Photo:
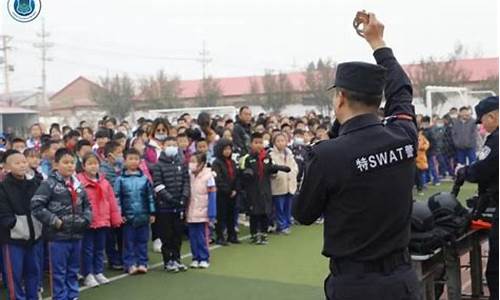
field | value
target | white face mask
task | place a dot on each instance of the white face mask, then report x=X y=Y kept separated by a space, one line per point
x=298 y=141
x=161 y=137
x=171 y=150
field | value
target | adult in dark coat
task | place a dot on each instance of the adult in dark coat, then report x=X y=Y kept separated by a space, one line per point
x=242 y=131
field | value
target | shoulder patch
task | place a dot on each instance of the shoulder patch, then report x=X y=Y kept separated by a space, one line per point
x=386 y=158
x=484 y=153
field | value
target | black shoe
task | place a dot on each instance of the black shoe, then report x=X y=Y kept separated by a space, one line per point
x=254 y=239
x=234 y=241
x=222 y=242
x=263 y=239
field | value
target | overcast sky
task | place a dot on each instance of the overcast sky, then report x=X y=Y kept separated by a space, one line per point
x=139 y=37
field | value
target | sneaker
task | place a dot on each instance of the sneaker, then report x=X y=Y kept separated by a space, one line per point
x=101 y=279
x=234 y=241
x=194 y=265
x=263 y=239
x=116 y=267
x=132 y=270
x=182 y=267
x=286 y=231
x=157 y=246
x=90 y=281
x=204 y=265
x=171 y=267
x=142 y=269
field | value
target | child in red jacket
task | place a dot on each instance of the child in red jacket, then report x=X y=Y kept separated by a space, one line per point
x=105 y=214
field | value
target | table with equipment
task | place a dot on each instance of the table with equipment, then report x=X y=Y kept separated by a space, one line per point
x=430 y=267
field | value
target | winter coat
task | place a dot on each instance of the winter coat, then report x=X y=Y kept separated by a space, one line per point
x=135 y=197
x=145 y=169
x=202 y=203
x=17 y=225
x=241 y=137
x=53 y=200
x=171 y=183
x=153 y=151
x=464 y=133
x=284 y=183
x=224 y=182
x=438 y=136
x=299 y=153
x=257 y=189
x=110 y=172
x=105 y=210
x=423 y=146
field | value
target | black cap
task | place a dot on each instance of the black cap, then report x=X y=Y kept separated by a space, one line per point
x=360 y=77
x=485 y=106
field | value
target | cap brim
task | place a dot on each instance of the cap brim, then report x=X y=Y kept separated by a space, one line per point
x=331 y=87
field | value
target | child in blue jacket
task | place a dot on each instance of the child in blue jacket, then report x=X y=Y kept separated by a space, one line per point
x=135 y=196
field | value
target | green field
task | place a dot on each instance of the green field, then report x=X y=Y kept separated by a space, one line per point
x=290 y=267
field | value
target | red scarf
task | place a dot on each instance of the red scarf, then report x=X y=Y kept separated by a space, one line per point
x=97 y=185
x=72 y=191
x=230 y=170
x=260 y=164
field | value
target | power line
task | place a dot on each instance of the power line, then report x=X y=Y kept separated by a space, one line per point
x=120 y=53
x=44 y=45
x=204 y=59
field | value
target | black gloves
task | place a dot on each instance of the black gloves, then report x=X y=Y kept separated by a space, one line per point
x=285 y=169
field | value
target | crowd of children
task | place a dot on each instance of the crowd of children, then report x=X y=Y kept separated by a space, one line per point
x=72 y=199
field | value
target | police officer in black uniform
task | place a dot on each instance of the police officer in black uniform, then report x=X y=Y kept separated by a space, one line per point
x=361 y=180
x=484 y=172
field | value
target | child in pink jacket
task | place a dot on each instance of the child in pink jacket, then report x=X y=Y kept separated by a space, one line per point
x=105 y=214
x=201 y=209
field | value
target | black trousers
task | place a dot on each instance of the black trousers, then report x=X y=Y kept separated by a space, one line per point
x=492 y=266
x=170 y=228
x=400 y=284
x=258 y=224
x=225 y=217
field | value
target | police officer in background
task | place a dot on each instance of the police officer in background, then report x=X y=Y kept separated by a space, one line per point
x=484 y=172
x=361 y=180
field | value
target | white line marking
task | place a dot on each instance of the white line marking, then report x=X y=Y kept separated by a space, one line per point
x=155 y=266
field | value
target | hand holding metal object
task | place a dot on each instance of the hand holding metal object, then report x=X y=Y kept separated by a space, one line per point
x=361 y=18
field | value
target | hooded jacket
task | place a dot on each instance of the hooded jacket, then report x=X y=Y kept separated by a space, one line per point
x=17 y=225
x=202 y=204
x=284 y=183
x=105 y=210
x=53 y=200
x=227 y=179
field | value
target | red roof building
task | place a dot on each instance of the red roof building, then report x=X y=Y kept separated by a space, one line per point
x=77 y=94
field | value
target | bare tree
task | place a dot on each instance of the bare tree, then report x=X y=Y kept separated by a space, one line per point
x=278 y=91
x=490 y=83
x=443 y=72
x=115 y=95
x=161 y=91
x=317 y=79
x=209 y=92
x=254 y=94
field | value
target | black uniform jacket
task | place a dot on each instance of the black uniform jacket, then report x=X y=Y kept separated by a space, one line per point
x=361 y=181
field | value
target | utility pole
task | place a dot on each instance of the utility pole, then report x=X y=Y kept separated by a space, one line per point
x=204 y=60
x=43 y=45
x=6 y=68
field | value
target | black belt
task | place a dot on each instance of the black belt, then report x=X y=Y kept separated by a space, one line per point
x=387 y=264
